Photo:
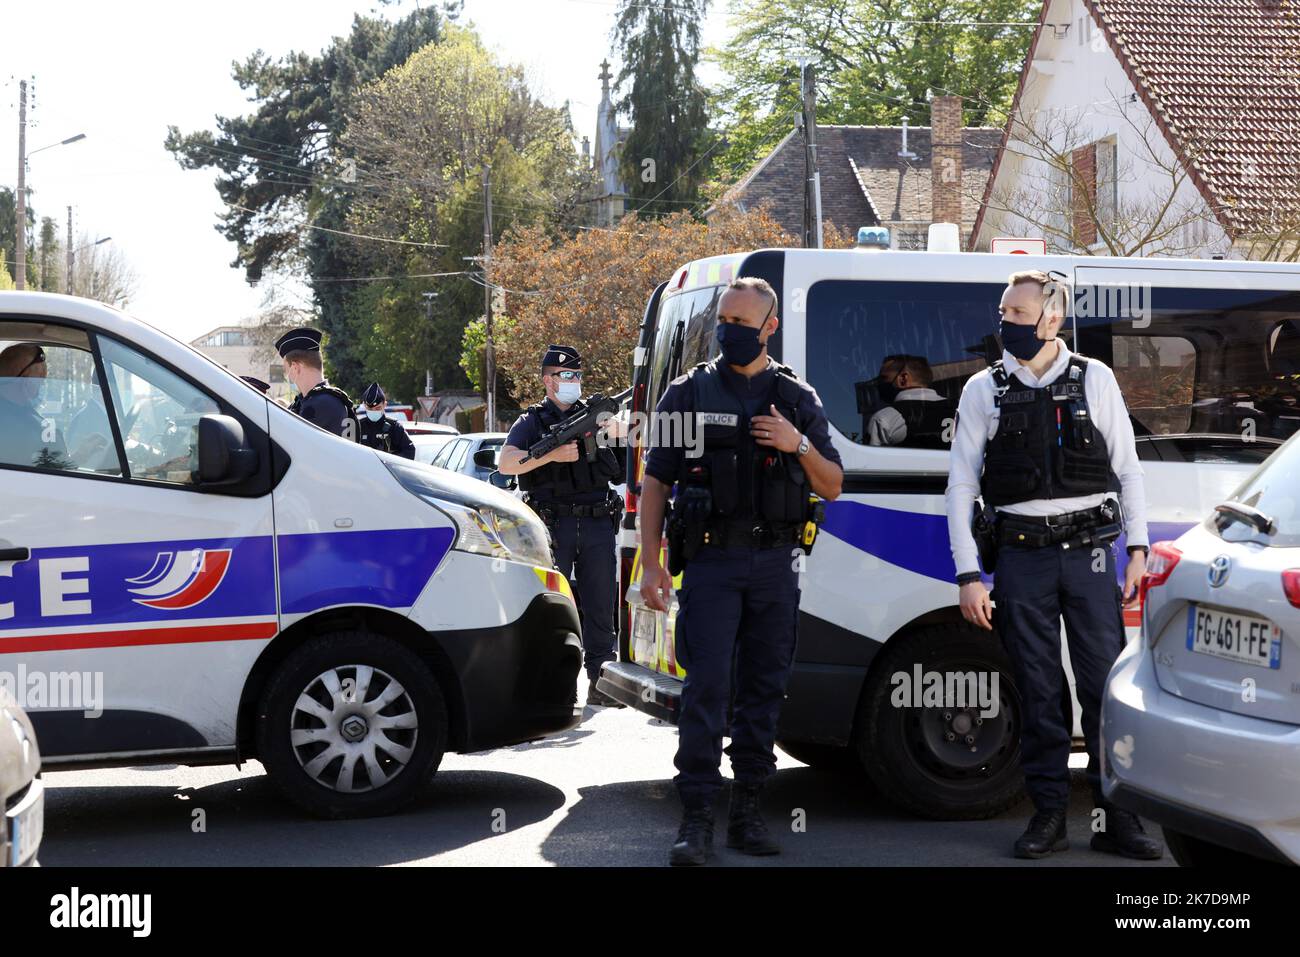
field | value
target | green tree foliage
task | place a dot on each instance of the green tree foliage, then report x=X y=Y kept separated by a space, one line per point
x=877 y=61
x=281 y=163
x=660 y=45
x=421 y=135
x=9 y=235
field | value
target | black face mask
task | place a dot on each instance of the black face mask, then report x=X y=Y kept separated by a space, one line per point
x=740 y=345
x=1020 y=340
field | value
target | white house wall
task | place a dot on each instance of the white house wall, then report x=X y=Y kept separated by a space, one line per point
x=1080 y=74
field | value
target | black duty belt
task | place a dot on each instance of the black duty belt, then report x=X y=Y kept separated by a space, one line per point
x=752 y=533
x=563 y=510
x=1087 y=526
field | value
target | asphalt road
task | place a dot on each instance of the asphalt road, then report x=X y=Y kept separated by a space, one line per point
x=599 y=795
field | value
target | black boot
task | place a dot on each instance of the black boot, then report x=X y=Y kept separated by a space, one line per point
x=1123 y=835
x=1045 y=834
x=694 y=837
x=746 y=831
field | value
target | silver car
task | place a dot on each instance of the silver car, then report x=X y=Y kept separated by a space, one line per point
x=22 y=793
x=1201 y=720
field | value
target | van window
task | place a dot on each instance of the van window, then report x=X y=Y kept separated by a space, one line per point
x=1221 y=366
x=938 y=330
x=52 y=412
x=699 y=310
x=158 y=413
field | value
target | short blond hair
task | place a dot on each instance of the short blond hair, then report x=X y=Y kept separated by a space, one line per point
x=1056 y=291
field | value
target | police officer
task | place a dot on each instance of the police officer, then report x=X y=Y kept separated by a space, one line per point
x=381 y=431
x=766 y=448
x=914 y=415
x=574 y=499
x=317 y=401
x=1042 y=435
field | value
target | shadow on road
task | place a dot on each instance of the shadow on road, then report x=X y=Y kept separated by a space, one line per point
x=250 y=824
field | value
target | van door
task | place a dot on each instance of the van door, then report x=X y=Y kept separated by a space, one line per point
x=1209 y=364
x=136 y=602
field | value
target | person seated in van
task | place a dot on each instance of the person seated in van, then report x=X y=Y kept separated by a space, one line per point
x=26 y=437
x=914 y=415
x=90 y=436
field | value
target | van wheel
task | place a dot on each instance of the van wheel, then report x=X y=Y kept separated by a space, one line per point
x=947 y=763
x=352 y=724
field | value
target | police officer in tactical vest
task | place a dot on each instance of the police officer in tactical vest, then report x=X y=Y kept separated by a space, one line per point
x=1044 y=437
x=740 y=517
x=914 y=414
x=573 y=497
x=380 y=431
x=317 y=401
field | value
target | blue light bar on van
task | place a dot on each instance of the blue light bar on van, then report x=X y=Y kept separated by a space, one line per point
x=873 y=237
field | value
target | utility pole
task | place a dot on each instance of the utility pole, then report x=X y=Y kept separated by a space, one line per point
x=20 y=220
x=812 y=193
x=67 y=277
x=490 y=420
x=428 y=315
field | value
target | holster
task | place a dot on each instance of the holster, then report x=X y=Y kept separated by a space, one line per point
x=984 y=529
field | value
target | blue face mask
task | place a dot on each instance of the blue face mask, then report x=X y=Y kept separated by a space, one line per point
x=374 y=415
x=1019 y=340
x=740 y=345
x=568 y=392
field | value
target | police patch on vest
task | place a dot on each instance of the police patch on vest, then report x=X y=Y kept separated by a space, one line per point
x=717 y=418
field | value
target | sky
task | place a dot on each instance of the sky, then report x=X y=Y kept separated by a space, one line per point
x=122 y=71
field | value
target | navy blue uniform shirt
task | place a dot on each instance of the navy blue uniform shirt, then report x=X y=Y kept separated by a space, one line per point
x=755 y=394
x=322 y=408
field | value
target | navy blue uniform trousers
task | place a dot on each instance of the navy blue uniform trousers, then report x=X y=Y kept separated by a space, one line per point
x=742 y=603
x=584 y=554
x=1034 y=589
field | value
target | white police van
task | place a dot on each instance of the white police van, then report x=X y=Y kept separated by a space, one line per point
x=238 y=583
x=1207 y=354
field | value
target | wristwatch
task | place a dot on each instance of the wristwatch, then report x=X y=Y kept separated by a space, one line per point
x=967 y=578
x=803 y=446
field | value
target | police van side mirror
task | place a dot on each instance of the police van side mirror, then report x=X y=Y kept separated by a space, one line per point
x=225 y=457
x=486 y=458
x=506 y=482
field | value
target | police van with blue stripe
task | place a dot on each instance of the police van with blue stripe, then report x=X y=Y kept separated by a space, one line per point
x=242 y=584
x=1207 y=355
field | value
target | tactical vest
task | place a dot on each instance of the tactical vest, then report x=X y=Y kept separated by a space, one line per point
x=927 y=422
x=746 y=480
x=561 y=479
x=350 y=425
x=1046 y=444
x=376 y=435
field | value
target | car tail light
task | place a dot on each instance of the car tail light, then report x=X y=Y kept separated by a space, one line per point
x=1160 y=564
x=1291 y=585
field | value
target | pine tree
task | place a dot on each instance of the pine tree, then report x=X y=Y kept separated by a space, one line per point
x=664 y=158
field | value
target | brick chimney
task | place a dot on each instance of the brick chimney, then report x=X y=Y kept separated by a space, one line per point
x=945 y=160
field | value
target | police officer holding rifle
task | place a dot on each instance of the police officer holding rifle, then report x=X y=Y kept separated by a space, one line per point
x=565 y=462
x=1042 y=435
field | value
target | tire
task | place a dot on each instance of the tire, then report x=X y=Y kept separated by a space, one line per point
x=906 y=751
x=304 y=715
x=1191 y=851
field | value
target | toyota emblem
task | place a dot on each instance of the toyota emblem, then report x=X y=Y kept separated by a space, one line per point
x=1219 y=570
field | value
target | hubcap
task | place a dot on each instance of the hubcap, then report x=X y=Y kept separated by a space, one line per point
x=959 y=744
x=353 y=728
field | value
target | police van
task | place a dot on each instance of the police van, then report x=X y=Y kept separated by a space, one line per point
x=1207 y=354
x=191 y=574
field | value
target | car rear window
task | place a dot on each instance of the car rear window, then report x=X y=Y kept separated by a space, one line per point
x=1273 y=489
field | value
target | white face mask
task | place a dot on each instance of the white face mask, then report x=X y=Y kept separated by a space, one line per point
x=374 y=415
x=568 y=392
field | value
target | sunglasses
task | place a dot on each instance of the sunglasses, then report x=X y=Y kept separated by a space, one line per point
x=40 y=357
x=568 y=375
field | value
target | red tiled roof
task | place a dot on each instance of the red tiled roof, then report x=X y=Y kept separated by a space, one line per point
x=1222 y=77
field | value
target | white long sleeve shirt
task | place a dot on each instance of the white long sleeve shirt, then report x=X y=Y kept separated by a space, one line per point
x=977 y=422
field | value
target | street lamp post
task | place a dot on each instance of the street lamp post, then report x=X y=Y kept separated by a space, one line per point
x=20 y=219
x=72 y=258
